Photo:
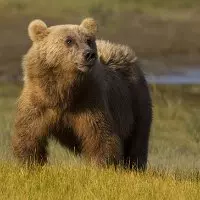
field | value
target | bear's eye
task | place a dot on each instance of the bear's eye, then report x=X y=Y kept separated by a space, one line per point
x=69 y=41
x=89 y=42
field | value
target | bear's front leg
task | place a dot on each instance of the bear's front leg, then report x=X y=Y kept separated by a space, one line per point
x=99 y=142
x=29 y=141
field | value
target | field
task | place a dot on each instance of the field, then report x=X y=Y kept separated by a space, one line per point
x=164 y=34
x=173 y=168
x=67 y=182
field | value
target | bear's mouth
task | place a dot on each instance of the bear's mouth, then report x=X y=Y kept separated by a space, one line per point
x=84 y=68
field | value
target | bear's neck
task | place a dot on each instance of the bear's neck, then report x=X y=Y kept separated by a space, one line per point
x=64 y=91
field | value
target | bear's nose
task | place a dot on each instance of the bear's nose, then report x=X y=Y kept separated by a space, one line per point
x=89 y=55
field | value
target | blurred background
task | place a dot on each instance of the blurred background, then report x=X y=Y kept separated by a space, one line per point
x=165 y=36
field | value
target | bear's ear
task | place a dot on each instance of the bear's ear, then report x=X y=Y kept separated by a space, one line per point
x=90 y=24
x=37 y=30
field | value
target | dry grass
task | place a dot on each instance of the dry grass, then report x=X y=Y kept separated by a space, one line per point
x=84 y=182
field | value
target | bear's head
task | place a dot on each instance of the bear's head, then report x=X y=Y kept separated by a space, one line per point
x=71 y=48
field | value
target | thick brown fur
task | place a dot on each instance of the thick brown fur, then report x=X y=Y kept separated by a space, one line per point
x=101 y=110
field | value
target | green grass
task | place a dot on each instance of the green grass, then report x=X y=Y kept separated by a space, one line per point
x=175 y=138
x=84 y=6
x=64 y=8
x=173 y=168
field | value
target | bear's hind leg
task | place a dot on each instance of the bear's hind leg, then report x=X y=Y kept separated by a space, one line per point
x=135 y=153
x=136 y=145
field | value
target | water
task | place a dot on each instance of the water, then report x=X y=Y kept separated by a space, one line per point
x=180 y=76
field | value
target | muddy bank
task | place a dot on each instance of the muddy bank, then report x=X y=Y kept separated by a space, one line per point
x=161 y=44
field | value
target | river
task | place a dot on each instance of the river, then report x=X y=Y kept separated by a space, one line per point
x=180 y=75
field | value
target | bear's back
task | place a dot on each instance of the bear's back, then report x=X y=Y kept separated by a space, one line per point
x=115 y=55
x=124 y=81
x=118 y=61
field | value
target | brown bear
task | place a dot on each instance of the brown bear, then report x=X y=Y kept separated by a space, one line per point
x=88 y=94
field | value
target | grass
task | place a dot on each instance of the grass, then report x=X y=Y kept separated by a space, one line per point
x=173 y=169
x=64 y=8
x=155 y=29
x=66 y=182
x=176 y=127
